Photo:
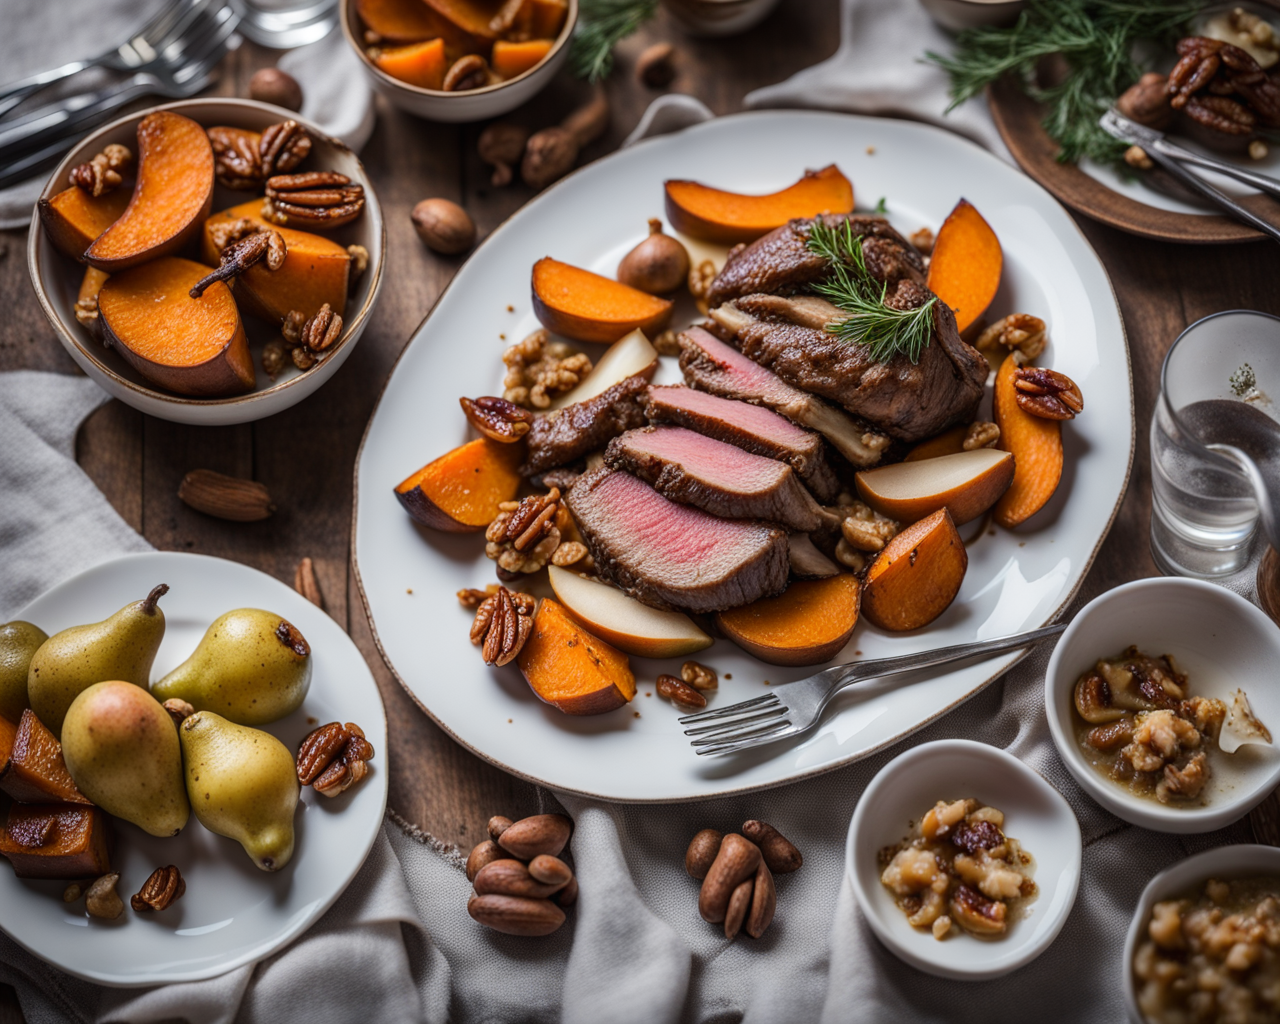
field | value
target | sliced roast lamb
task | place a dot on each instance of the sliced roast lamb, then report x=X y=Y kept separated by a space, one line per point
x=752 y=299
x=674 y=556
x=711 y=365
x=752 y=428
x=693 y=469
x=560 y=437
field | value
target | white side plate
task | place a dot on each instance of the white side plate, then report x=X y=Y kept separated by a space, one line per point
x=232 y=913
x=1015 y=581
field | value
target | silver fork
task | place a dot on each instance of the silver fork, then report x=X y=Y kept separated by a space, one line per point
x=134 y=53
x=182 y=70
x=793 y=708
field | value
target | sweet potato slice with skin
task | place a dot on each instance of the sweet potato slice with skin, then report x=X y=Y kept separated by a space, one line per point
x=420 y=64
x=511 y=59
x=34 y=772
x=964 y=270
x=570 y=668
x=73 y=218
x=413 y=21
x=586 y=306
x=917 y=575
x=807 y=624
x=1036 y=445
x=191 y=346
x=316 y=270
x=57 y=841
x=460 y=491
x=547 y=17
x=950 y=442
x=713 y=215
x=171 y=198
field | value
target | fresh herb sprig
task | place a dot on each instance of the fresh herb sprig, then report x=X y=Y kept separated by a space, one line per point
x=1096 y=38
x=853 y=289
x=601 y=25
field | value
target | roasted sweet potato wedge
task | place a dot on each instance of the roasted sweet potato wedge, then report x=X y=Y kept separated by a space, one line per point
x=413 y=21
x=1036 y=445
x=917 y=575
x=809 y=623
x=572 y=670
x=964 y=270
x=580 y=304
x=73 y=218
x=460 y=491
x=32 y=770
x=713 y=215
x=57 y=841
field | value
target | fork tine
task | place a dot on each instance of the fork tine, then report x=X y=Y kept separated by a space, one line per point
x=784 y=729
x=723 y=725
x=732 y=709
x=730 y=734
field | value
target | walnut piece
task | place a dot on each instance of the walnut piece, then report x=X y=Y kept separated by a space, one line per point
x=473 y=597
x=222 y=233
x=699 y=676
x=331 y=759
x=1020 y=333
x=539 y=368
x=700 y=277
x=862 y=529
x=502 y=624
x=981 y=434
x=667 y=343
x=159 y=892
x=104 y=172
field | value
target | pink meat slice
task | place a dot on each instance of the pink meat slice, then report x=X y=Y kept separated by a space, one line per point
x=674 y=556
x=752 y=428
x=692 y=469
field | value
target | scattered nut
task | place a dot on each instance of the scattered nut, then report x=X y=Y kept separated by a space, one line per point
x=306 y=584
x=281 y=148
x=700 y=277
x=497 y=825
x=1047 y=393
x=736 y=862
x=237 y=163
x=160 y=891
x=359 y=262
x=331 y=759
x=471 y=597
x=496 y=418
x=317 y=199
x=516 y=915
x=467 y=72
x=550 y=870
x=275 y=356
x=981 y=434
x=701 y=853
x=1019 y=333
x=501 y=145
x=541 y=833
x=320 y=330
x=521 y=881
x=87 y=312
x=849 y=556
x=778 y=851
x=223 y=232
x=570 y=552
x=699 y=676
x=1258 y=150
x=102 y=900
x=178 y=709
x=502 y=624
x=444 y=226
x=271 y=85
x=922 y=241
x=679 y=692
x=658 y=265
x=1136 y=156
x=667 y=343
x=267 y=247
x=72 y=893
x=511 y=877
x=225 y=497
x=539 y=368
x=764 y=901
x=482 y=855
x=104 y=172
x=302 y=358
x=548 y=156
x=655 y=66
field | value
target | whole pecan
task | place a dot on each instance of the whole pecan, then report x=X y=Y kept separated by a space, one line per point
x=532 y=519
x=239 y=256
x=496 y=418
x=283 y=147
x=502 y=624
x=164 y=887
x=1047 y=393
x=331 y=759
x=321 y=329
x=1199 y=61
x=679 y=692
x=318 y=199
x=1221 y=113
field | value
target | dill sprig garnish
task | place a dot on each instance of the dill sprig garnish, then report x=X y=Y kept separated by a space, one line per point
x=601 y=25
x=852 y=288
x=1096 y=38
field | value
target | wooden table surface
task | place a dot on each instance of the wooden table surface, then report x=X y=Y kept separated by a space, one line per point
x=306 y=455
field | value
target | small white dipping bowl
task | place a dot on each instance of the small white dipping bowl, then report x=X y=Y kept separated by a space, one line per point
x=1184 y=879
x=56 y=277
x=1035 y=815
x=1222 y=642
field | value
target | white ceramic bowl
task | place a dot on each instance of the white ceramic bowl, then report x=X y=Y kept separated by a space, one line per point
x=719 y=17
x=1035 y=814
x=453 y=107
x=1226 y=862
x=1222 y=642
x=56 y=277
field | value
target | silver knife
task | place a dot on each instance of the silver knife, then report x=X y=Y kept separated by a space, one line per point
x=1173 y=157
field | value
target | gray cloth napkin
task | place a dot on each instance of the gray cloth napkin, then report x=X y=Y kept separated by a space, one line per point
x=336 y=96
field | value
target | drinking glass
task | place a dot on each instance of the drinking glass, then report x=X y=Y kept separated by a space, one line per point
x=284 y=24
x=1212 y=436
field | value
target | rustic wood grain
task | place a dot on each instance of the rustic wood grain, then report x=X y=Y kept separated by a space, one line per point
x=306 y=455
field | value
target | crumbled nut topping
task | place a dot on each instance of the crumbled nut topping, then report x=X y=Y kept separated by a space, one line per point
x=539 y=369
x=1020 y=333
x=982 y=434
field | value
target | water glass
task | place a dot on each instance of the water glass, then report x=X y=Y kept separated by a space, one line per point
x=284 y=24
x=1204 y=511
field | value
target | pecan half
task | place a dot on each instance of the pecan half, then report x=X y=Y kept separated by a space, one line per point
x=319 y=199
x=1047 y=393
x=331 y=759
x=320 y=330
x=1018 y=332
x=1199 y=61
x=104 y=172
x=1222 y=114
x=496 y=418
x=283 y=147
x=236 y=163
x=679 y=692
x=239 y=256
x=468 y=72
x=160 y=891
x=502 y=624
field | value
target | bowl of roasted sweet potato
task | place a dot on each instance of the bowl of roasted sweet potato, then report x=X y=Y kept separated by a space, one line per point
x=208 y=261
x=459 y=60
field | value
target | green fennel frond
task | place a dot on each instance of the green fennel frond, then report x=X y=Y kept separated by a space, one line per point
x=852 y=288
x=601 y=25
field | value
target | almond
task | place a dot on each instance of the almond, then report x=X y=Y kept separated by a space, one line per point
x=509 y=877
x=764 y=901
x=736 y=862
x=541 y=833
x=739 y=904
x=702 y=853
x=225 y=497
x=481 y=856
x=551 y=870
x=779 y=852
x=516 y=915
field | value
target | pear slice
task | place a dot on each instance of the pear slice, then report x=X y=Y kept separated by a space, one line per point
x=966 y=484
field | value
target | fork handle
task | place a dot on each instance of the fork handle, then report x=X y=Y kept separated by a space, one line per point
x=1218 y=198
x=1262 y=182
x=13 y=93
x=882 y=667
x=63 y=119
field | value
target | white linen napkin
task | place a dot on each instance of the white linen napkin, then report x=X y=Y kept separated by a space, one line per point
x=41 y=34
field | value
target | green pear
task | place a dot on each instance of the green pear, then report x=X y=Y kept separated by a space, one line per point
x=121 y=647
x=122 y=750
x=252 y=667
x=19 y=641
x=243 y=784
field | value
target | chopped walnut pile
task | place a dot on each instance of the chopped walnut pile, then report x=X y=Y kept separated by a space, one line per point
x=529 y=533
x=700 y=277
x=667 y=343
x=538 y=369
x=1215 y=959
x=958 y=868
x=863 y=531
